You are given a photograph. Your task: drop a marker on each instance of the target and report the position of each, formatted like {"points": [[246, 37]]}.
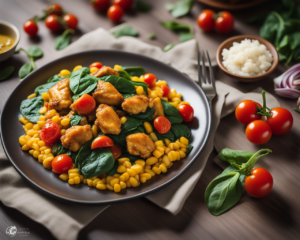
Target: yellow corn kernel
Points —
{"points": [[137, 168], [95, 181], [136, 79], [35, 146], [63, 176], [122, 185], [90, 182], [163, 168], [156, 170], [78, 67], [55, 119], [157, 153], [118, 67], [101, 186], [47, 151], [45, 96], [53, 113], [133, 182], [121, 169], [125, 176], [63, 131], [47, 163], [123, 120], [184, 140], [73, 174], [65, 122], [146, 175], [85, 181], [137, 177], [117, 175], [178, 155], [148, 127], [151, 160], [159, 143], [109, 187], [94, 130], [176, 145], [143, 179], [147, 167], [29, 126], [77, 180], [182, 154], [32, 95], [23, 140], [161, 83], [109, 178], [42, 118], [170, 165], [150, 172], [161, 149], [140, 162], [41, 143], [64, 72], [153, 137], [36, 154], [139, 90], [127, 164], [81, 178], [25, 147], [41, 123], [174, 154], [170, 156], [167, 150], [166, 160], [152, 94], [71, 181], [176, 99], [40, 158], [117, 187], [131, 172], [165, 98], [114, 181], [122, 160], [183, 149], [104, 180], [128, 184], [184, 102], [31, 151], [32, 132], [43, 110]]}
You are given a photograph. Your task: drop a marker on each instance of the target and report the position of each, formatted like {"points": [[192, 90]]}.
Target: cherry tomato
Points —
{"points": [[54, 9], [186, 111], [125, 4], [62, 163], [115, 13], [281, 121], [245, 112], [166, 90], [102, 141], [100, 5], [150, 79], [162, 125], [96, 64], [84, 105], [50, 132], [116, 151], [53, 23], [206, 21], [224, 22], [71, 21], [259, 184], [31, 28], [258, 132]]}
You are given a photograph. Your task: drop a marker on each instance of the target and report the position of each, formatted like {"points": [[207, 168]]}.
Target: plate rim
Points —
{"points": [[139, 195]]}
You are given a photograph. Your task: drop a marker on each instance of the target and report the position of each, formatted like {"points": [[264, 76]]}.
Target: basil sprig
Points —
{"points": [[180, 8], [63, 40], [225, 190], [5, 73]]}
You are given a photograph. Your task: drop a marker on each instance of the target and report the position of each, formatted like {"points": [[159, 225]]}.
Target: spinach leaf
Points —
{"points": [[86, 85], [58, 149], [134, 71], [180, 8], [125, 75], [189, 149], [120, 139], [176, 26], [57, 78], [25, 70], [146, 116], [127, 95], [35, 52], [75, 120], [233, 169], [75, 79], [142, 6], [121, 84], [30, 108], [83, 153], [98, 162], [144, 85], [168, 47], [132, 158], [171, 112], [180, 130], [185, 36], [234, 156], [114, 169], [64, 40], [168, 135], [5, 73], [43, 88], [125, 30], [131, 124], [223, 192]]}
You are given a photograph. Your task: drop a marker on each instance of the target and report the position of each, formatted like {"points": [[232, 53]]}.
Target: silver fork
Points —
{"points": [[206, 83]]}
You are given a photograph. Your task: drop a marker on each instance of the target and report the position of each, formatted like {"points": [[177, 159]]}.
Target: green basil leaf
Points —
{"points": [[131, 124], [114, 169], [233, 169], [168, 135], [43, 88], [5, 73], [223, 192], [176, 26], [189, 149], [25, 70], [143, 84], [142, 6], [98, 162], [125, 75], [127, 95], [125, 30], [181, 8], [57, 78], [121, 84], [83, 153], [75, 120], [62, 42], [168, 47], [75, 78], [86, 85], [120, 139], [185, 36], [30, 108], [171, 112], [58, 149], [134, 70], [35, 52], [146, 116], [234, 156], [180, 130]]}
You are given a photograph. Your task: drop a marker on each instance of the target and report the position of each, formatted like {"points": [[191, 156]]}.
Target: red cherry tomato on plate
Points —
{"points": [[125, 4], [166, 90], [224, 22], [186, 111], [162, 125], [62, 163], [259, 184], [96, 64], [53, 23], [50, 132], [54, 9], [84, 105], [31, 28], [116, 151], [115, 13], [206, 20], [100, 5], [150, 79], [281, 121], [245, 112], [258, 132], [102, 141], [71, 21]]}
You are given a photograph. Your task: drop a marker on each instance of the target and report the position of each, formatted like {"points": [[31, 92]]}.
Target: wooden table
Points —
{"points": [[276, 216]]}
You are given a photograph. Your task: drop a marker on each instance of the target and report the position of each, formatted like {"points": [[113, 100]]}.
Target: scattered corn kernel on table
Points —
{"points": [[276, 216]]}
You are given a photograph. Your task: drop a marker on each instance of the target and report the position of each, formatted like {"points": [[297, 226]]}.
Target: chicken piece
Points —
{"points": [[92, 116], [71, 114], [120, 113], [136, 104], [106, 93], [140, 144], [104, 71], [60, 96], [158, 107], [76, 136], [107, 120]]}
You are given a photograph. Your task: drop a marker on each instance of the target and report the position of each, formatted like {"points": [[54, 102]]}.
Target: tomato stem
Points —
{"points": [[264, 111]]}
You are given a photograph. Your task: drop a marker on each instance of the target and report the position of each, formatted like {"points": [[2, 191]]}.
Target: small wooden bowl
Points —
{"points": [[229, 42]]}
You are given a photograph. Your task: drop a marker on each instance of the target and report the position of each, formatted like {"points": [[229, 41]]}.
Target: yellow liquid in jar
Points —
{"points": [[6, 43]]}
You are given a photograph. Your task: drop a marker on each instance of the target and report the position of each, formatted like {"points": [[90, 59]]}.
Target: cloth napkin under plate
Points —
{"points": [[19, 194]]}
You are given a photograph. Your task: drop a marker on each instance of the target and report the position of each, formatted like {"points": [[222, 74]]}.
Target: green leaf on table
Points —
{"points": [[75, 78], [63, 40], [75, 120], [5, 73], [168, 47], [25, 70], [134, 70], [125, 30], [185, 36], [35, 52], [142, 6], [121, 84], [180, 8], [152, 36], [234, 157], [30, 108], [176, 26]]}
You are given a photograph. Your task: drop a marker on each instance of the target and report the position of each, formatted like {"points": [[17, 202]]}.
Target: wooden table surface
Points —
{"points": [[276, 216]]}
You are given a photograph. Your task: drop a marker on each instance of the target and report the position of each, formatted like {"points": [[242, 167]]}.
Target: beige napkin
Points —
{"points": [[17, 193]]}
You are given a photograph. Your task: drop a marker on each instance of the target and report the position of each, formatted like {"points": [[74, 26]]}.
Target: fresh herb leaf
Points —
{"points": [[234, 157], [146, 116], [142, 6], [171, 112], [30, 108], [5, 73], [185, 36], [75, 120], [169, 6], [75, 78], [64, 40], [168, 135], [121, 84], [152, 36], [125, 75], [189, 149], [43, 88], [127, 95], [25, 70], [57, 78], [134, 70], [83, 153], [86, 85], [58, 149], [168, 47], [180, 130], [35, 52], [125, 30], [180, 8], [143, 84], [176, 26], [131, 124]]}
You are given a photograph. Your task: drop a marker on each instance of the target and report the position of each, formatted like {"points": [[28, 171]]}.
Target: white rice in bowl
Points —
{"points": [[248, 58]]}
